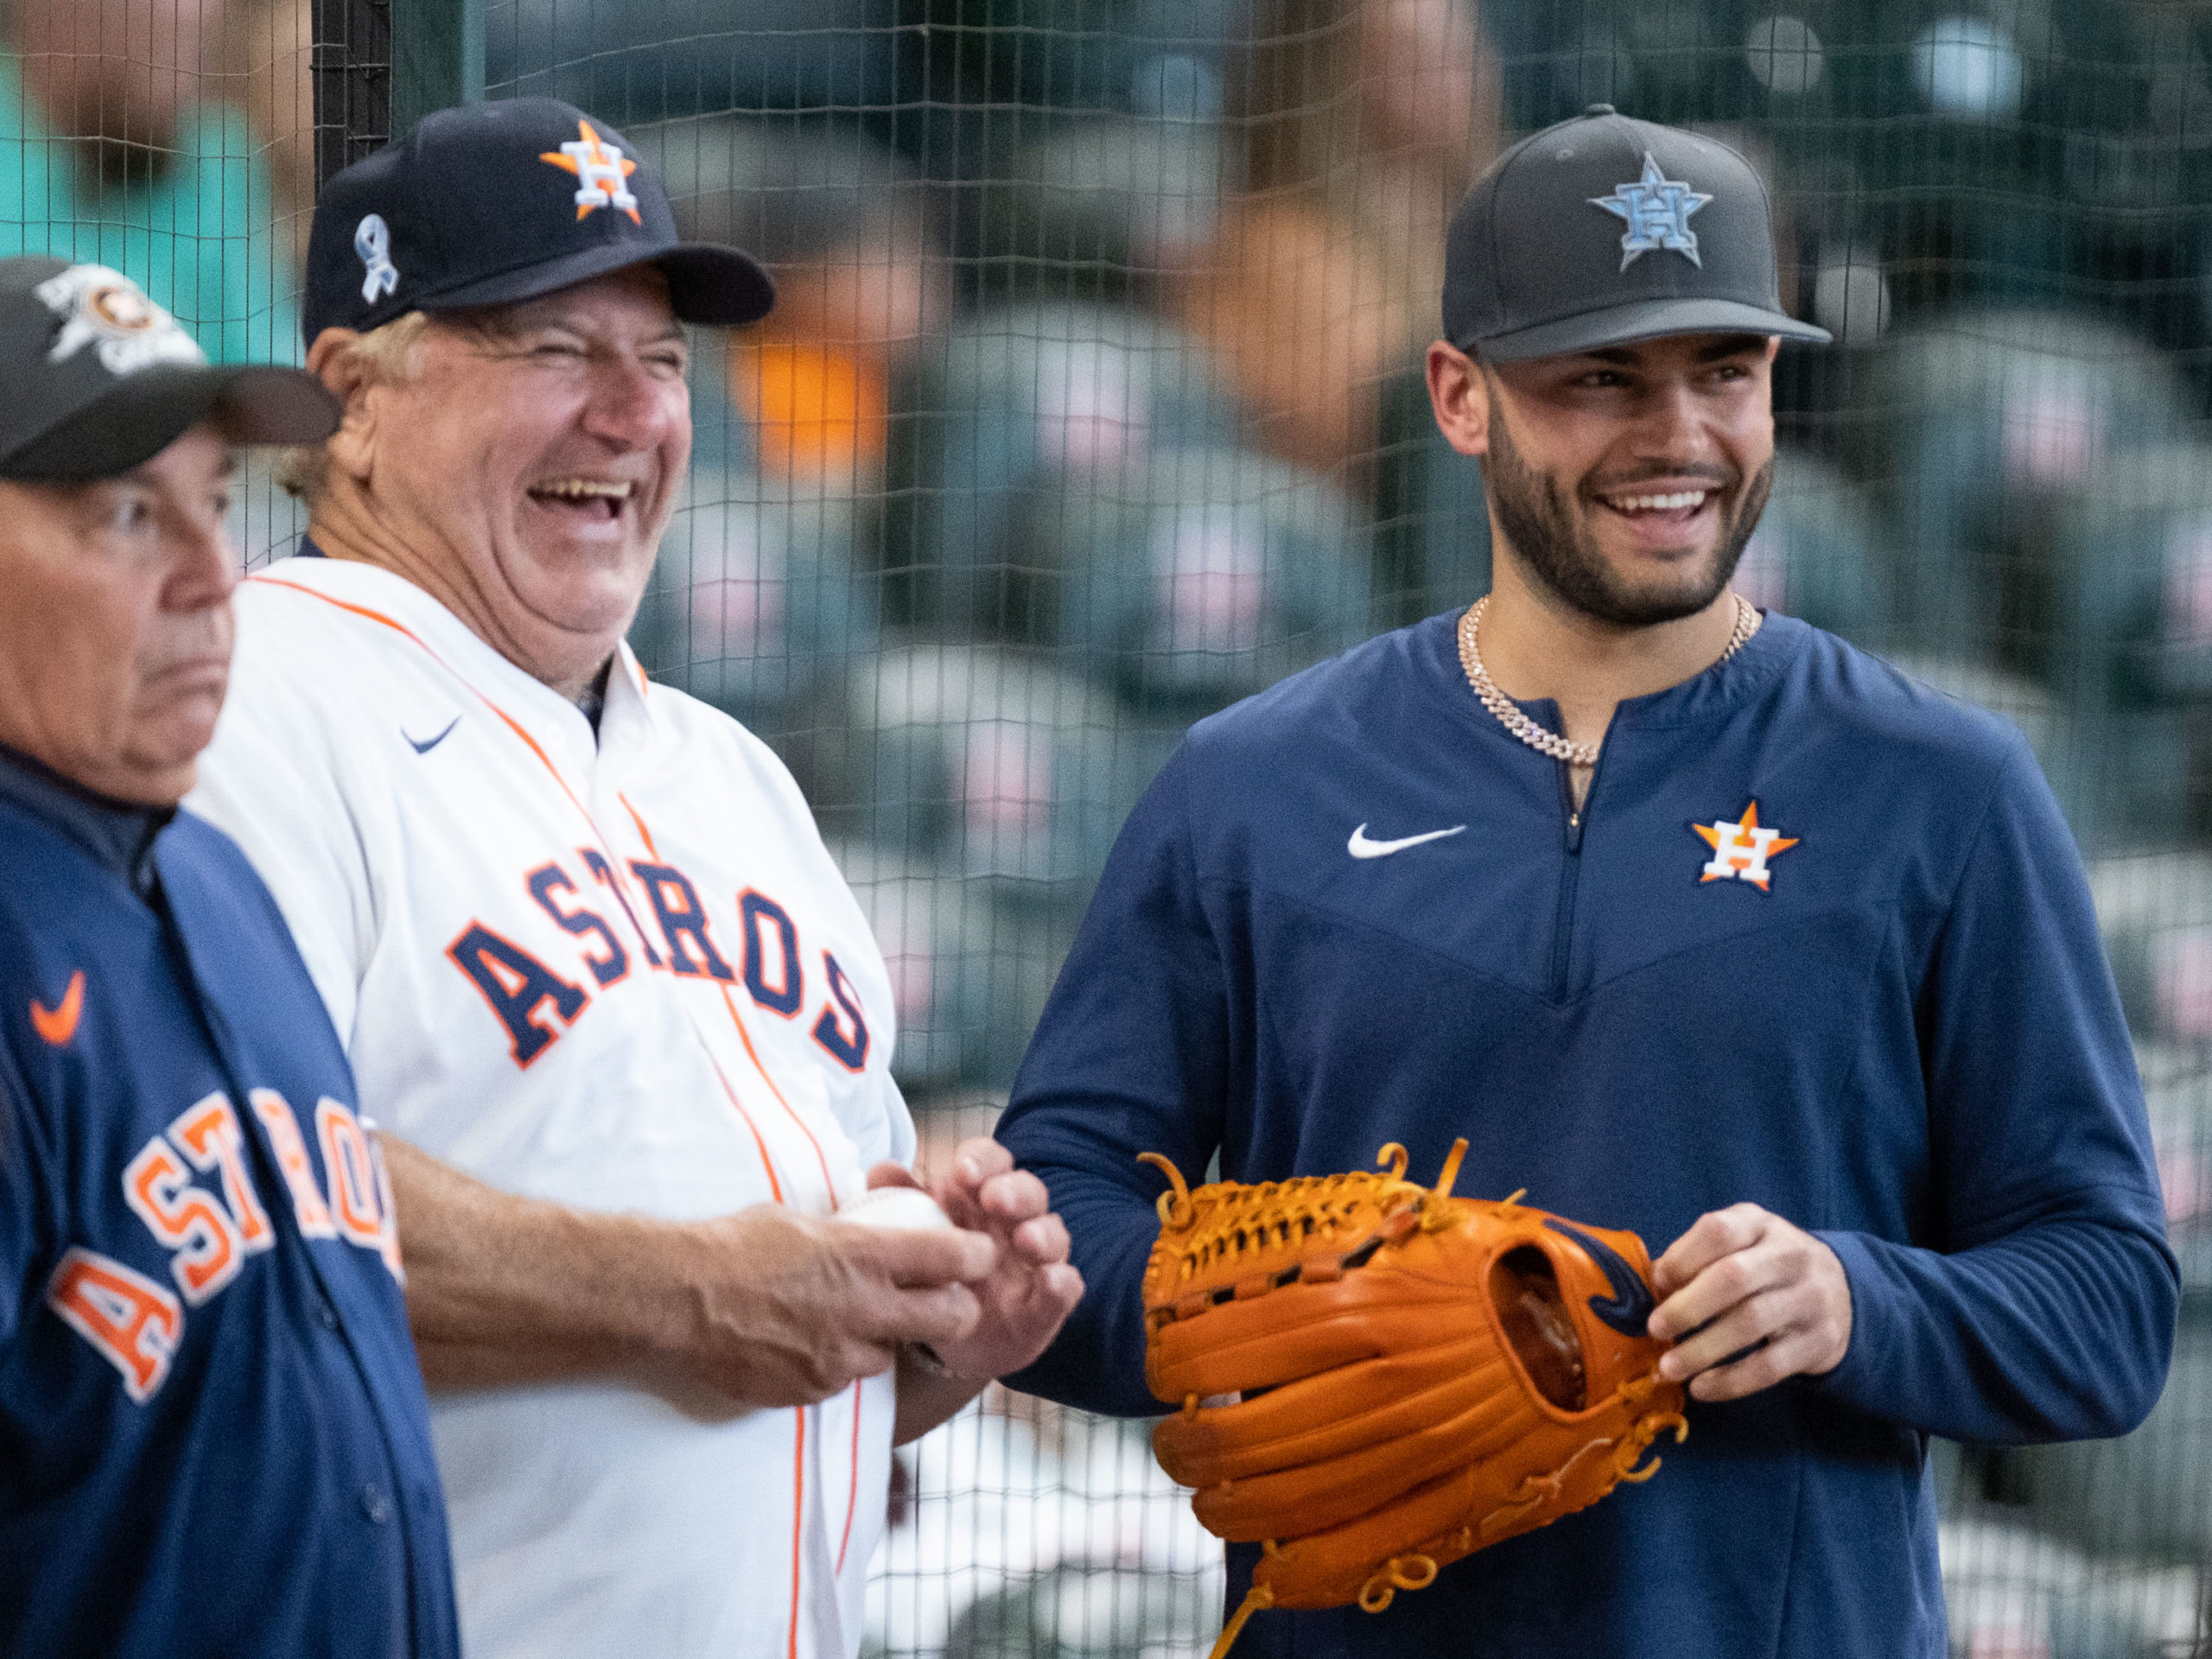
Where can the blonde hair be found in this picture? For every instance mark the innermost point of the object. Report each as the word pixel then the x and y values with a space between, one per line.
pixel 389 354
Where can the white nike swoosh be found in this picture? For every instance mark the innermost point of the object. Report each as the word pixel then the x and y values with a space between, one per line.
pixel 1360 846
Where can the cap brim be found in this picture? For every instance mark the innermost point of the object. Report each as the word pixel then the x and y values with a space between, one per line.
pixel 706 284
pixel 1623 325
pixel 142 416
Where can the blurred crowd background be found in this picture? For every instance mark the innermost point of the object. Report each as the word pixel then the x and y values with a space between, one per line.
pixel 1093 403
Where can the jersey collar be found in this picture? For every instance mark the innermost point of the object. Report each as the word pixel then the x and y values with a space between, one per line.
pixel 118 835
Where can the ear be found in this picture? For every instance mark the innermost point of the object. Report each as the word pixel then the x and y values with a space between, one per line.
pixel 1456 392
pixel 331 360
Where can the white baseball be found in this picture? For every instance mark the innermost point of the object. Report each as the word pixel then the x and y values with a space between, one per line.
pixel 896 1207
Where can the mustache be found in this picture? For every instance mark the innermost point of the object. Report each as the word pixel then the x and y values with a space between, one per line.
pixel 1725 478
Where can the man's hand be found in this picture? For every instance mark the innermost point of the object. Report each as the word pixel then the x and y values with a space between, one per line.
pixel 1749 1300
pixel 780 1309
pixel 763 1306
pixel 1023 1304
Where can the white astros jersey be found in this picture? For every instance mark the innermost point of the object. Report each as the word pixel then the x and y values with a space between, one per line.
pixel 625 975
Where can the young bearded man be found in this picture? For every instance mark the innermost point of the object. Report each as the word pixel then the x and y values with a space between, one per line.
pixel 1691 920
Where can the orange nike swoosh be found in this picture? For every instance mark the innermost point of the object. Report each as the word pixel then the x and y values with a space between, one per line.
pixel 59 1025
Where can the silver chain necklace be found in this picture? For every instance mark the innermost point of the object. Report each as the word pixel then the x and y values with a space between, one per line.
pixel 1551 743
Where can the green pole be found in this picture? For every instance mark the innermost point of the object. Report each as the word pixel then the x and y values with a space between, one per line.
pixel 437 58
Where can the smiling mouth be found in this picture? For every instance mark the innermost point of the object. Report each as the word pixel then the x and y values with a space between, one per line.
pixel 597 501
pixel 1658 507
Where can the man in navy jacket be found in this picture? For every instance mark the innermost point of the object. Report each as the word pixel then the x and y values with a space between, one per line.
pixel 1693 920
pixel 213 1438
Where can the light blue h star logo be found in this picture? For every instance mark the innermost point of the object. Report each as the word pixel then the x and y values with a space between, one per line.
pixel 1657 210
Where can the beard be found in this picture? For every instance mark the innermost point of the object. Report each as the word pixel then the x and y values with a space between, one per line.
pixel 1538 524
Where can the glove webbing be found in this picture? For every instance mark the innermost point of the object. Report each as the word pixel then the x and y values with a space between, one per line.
pixel 1385 1207
pixel 1276 1216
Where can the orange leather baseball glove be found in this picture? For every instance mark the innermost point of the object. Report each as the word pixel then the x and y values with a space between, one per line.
pixel 1374 1378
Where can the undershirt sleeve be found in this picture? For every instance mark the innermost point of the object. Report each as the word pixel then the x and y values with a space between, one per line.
pixel 2049 1315
pixel 1130 1056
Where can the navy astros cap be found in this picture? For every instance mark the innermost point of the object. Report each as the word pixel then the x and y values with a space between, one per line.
pixel 100 378
pixel 1601 231
pixel 487 204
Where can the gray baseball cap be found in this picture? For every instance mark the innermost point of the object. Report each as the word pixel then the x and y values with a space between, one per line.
pixel 1603 229
pixel 100 378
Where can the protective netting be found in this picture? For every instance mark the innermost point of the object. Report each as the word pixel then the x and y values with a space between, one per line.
pixel 1093 405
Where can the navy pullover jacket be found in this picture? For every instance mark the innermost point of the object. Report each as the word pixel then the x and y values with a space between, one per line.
pixel 1818 939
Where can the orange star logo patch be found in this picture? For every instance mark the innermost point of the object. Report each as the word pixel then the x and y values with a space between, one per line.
pixel 56 1025
pixel 1741 849
pixel 602 169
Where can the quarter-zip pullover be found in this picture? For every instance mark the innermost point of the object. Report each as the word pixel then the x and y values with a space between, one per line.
pixel 1817 939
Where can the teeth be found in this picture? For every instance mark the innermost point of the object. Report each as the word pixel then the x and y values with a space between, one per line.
pixel 583 489
pixel 1657 503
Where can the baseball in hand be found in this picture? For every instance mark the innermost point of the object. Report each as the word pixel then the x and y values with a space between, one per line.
pixel 907 1207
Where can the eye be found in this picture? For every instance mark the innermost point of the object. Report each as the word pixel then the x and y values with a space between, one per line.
pixel 132 514
pixel 557 350
pixel 1601 380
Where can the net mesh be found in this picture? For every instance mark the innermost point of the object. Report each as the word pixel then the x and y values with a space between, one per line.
pixel 1093 403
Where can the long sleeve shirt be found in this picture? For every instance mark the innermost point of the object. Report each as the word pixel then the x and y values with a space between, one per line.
pixel 1817 938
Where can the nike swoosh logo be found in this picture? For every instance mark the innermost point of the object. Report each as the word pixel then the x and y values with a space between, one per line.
pixel 1360 846
pixel 57 1026
pixel 428 743
pixel 1630 1307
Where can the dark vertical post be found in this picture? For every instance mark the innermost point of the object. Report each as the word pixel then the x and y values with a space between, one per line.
pixel 437 57
pixel 380 66
pixel 351 67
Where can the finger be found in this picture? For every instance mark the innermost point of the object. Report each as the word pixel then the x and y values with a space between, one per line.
pixel 1752 1322
pixel 1042 1241
pixel 979 1158
pixel 888 1173
pixel 1785 1357
pixel 945 1314
pixel 1064 1284
pixel 911 1259
pixel 1712 1236
pixel 1014 1195
pixel 1716 1289
pixel 855 1360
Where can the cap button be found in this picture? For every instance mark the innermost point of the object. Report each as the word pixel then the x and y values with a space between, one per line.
pixel 1600 108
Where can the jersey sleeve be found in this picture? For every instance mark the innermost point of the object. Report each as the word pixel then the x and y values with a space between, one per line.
pixel 2048 1312
pixel 277 781
pixel 1131 1055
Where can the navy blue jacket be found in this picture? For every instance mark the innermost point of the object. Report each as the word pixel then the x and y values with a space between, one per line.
pixel 1903 1037
pixel 214 1438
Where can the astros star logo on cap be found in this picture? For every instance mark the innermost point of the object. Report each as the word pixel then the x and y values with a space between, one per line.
pixel 1657 210
pixel 601 170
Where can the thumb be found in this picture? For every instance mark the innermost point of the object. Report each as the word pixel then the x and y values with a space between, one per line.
pixel 888 1173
